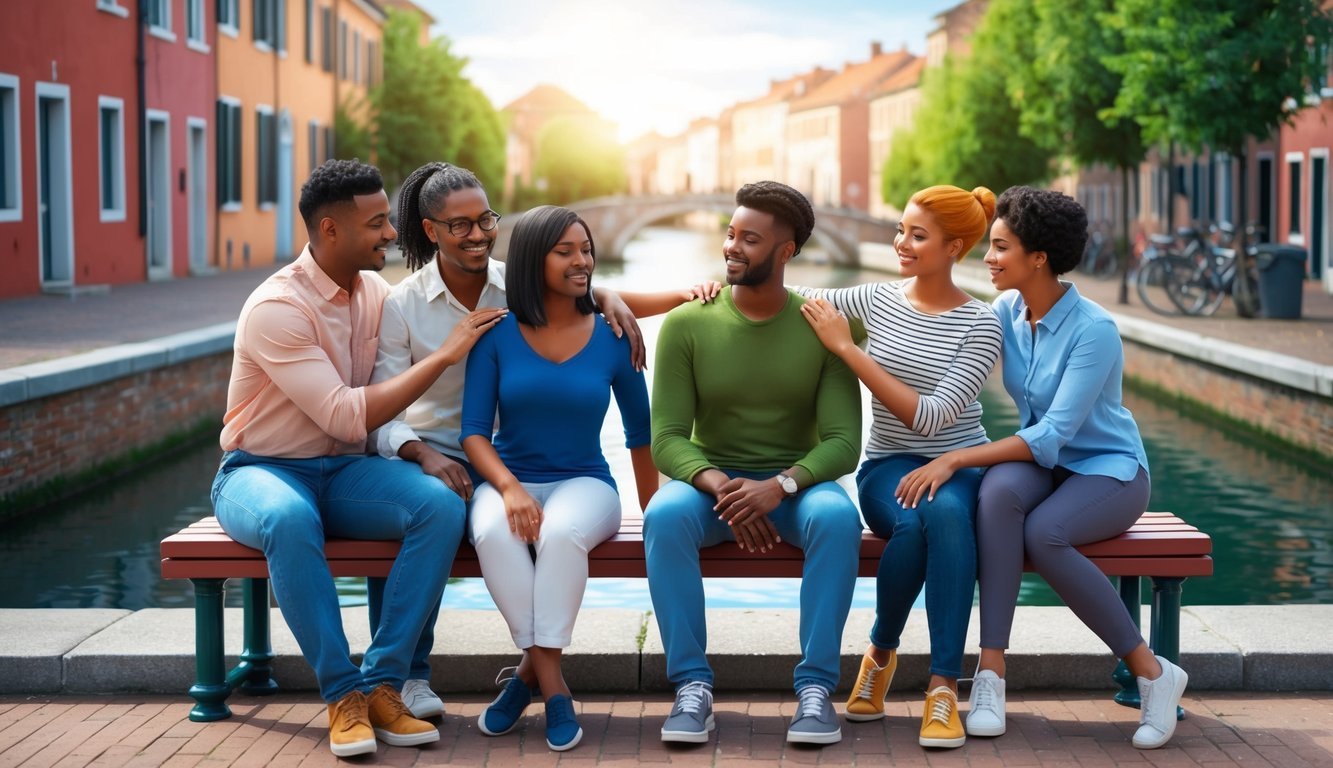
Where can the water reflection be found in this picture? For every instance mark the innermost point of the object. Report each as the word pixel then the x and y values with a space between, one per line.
pixel 1269 516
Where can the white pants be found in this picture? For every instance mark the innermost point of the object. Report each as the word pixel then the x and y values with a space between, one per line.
pixel 539 598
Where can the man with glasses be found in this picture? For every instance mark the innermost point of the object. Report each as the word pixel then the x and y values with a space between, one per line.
pixel 447 231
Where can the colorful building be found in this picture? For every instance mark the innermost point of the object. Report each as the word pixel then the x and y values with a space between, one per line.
pixel 893 108
pixel 759 129
pixel 1304 185
pixel 81 206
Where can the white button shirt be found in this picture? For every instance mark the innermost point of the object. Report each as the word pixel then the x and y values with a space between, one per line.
pixel 419 314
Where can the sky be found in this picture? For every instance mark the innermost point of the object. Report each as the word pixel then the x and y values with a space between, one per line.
pixel 657 64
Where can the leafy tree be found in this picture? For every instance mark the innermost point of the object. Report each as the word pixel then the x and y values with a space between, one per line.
pixel 966 131
pixel 351 137
pixel 1065 90
pixel 425 109
pixel 578 158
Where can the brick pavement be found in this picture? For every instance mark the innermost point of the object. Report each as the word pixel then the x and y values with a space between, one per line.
pixel 1045 729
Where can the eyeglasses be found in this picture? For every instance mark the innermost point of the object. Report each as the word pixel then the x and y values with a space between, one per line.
pixel 462 227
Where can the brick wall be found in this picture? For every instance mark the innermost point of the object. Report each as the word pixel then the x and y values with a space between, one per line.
pixel 1297 417
pixel 64 435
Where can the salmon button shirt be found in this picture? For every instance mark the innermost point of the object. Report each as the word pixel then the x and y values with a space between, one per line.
pixel 305 349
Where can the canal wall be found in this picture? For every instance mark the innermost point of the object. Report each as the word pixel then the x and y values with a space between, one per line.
pixel 71 422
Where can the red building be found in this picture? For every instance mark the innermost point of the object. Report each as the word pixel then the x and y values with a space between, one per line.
pixel 77 208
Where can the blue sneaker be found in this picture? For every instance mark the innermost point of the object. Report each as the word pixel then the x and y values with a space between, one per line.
pixel 504 713
pixel 562 729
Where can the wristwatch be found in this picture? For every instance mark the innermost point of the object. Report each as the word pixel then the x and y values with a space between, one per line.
pixel 788 484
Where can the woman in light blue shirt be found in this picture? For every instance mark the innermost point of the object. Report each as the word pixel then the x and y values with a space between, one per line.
pixel 1075 473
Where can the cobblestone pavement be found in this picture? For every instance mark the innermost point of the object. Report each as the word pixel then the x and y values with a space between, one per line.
pixel 37 328
pixel 1077 728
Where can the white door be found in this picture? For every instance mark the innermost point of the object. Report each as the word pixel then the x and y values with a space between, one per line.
pixel 197 195
pixel 158 242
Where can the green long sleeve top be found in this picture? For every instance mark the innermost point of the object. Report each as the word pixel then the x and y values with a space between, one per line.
pixel 733 393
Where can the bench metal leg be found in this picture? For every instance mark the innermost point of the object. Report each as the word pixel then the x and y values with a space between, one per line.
pixel 1128 695
pixel 1165 639
pixel 210 688
pixel 254 674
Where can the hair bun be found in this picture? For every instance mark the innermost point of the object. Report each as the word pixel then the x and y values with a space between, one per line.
pixel 986 197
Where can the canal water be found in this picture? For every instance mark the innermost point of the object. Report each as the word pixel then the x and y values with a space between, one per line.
pixel 1270 514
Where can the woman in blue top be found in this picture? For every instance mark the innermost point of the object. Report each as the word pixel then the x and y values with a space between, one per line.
pixel 547 372
pixel 1075 473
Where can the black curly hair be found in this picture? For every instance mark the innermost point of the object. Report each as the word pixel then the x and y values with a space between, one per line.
pixel 422 195
pixel 1046 220
pixel 336 181
pixel 785 204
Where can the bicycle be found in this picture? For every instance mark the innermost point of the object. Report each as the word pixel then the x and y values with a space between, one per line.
pixel 1166 260
pixel 1212 276
pixel 1099 256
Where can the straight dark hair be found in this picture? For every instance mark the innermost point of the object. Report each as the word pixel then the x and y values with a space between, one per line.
pixel 535 234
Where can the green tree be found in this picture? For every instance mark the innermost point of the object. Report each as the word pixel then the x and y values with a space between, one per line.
pixel 966 131
pixel 425 109
pixel 1213 73
pixel 351 137
pixel 1065 90
pixel 578 158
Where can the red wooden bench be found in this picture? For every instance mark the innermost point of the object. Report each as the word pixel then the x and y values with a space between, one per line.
pixel 1159 546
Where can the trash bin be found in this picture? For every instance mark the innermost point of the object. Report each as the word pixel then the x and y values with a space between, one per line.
pixel 1281 280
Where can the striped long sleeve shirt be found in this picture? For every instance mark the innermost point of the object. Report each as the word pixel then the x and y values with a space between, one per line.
pixel 945 358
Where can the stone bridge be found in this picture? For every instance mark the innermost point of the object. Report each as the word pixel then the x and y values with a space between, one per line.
pixel 615 221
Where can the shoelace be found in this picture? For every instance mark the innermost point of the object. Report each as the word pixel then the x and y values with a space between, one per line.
pixel 395 703
pixel 812 701
pixel 867 689
pixel 940 709
pixel 984 690
pixel 352 710
pixel 562 712
pixel 500 678
pixel 691 698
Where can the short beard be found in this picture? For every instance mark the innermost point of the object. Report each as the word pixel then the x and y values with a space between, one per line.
pixel 755 275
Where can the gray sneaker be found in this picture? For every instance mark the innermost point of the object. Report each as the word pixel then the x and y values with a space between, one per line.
pixel 691 718
pixel 815 721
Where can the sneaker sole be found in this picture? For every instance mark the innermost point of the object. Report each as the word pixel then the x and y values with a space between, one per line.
pixel 942 743
pixel 422 711
pixel 353 748
pixel 574 742
pixel 406 739
pixel 984 731
pixel 1181 681
pixel 690 737
pixel 857 717
pixel 814 738
pixel 481 725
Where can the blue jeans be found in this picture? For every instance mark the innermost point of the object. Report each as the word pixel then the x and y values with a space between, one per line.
pixel 419 669
pixel 286 507
pixel 821 520
pixel 933 545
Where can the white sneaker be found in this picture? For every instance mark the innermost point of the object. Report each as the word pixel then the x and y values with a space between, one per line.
pixel 985 704
pixel 421 701
pixel 1158 700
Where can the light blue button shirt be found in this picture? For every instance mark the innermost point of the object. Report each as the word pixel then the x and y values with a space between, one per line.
pixel 1065 378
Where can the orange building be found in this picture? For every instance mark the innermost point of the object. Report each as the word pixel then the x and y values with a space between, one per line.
pixel 759 129
pixel 283 68
pixel 526 116
pixel 893 108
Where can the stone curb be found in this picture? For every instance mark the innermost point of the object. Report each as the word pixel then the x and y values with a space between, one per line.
pixel 1254 648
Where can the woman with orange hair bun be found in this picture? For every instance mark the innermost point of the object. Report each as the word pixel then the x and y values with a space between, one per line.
pixel 931 347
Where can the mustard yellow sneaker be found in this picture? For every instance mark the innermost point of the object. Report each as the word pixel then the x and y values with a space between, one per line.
pixel 866 701
pixel 349 726
pixel 940 726
pixel 393 723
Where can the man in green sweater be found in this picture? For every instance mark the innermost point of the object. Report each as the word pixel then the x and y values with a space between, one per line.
pixel 754 420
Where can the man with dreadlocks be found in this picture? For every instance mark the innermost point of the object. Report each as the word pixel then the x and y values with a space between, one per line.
pixel 754 420
pixel 447 231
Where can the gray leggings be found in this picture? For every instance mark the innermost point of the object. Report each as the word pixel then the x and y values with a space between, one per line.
pixel 1025 508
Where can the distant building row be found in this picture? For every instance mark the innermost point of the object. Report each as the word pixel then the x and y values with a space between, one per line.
pixel 156 139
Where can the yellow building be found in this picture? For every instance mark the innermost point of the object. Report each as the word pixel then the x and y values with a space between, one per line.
pixel 283 67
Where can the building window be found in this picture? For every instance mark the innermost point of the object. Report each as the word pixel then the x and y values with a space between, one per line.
pixel 342 50
pixel 372 64
pixel 1223 175
pixel 11 202
pixel 1294 163
pixel 229 153
pixel 270 24
pixel 159 16
pixel 326 39
pixel 111 6
pixel 266 127
pixel 228 16
pixel 312 141
pixel 194 24
pixel 328 143
pixel 310 31
pixel 111 143
pixel 356 55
